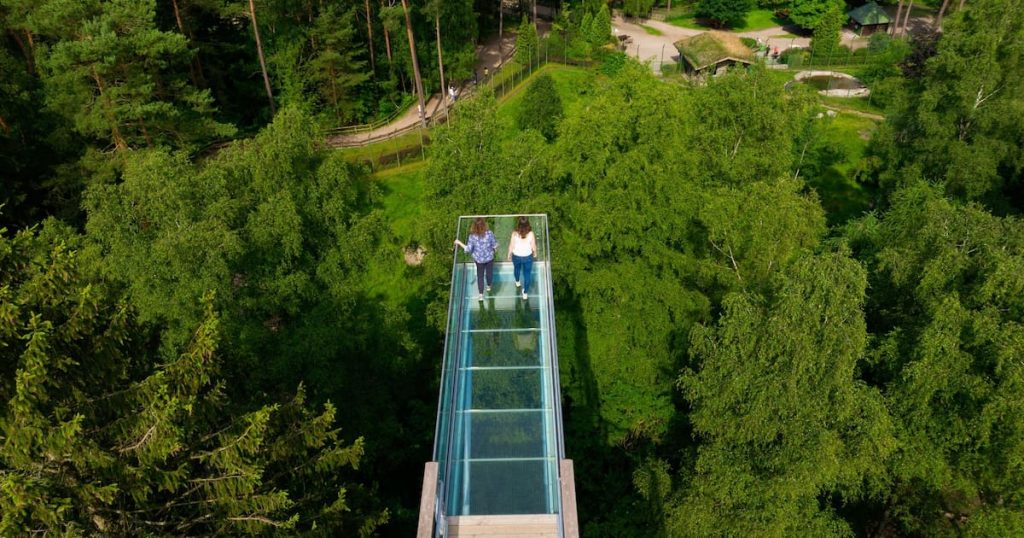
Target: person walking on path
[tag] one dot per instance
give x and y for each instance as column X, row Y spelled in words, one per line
column 522, row 247
column 481, row 245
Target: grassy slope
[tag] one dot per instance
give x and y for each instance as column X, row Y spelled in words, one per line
column 402, row 205
column 569, row 83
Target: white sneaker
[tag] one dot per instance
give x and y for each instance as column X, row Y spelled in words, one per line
column 480, row 297
column 488, row 289
column 518, row 284
column 524, row 295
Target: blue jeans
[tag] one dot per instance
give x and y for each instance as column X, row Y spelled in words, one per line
column 522, row 267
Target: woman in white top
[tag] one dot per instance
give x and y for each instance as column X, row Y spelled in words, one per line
column 522, row 247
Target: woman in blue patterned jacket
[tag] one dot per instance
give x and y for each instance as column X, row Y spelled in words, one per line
column 481, row 245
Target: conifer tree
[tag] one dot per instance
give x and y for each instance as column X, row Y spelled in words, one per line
column 336, row 68
column 121, row 80
column 101, row 434
column 526, row 43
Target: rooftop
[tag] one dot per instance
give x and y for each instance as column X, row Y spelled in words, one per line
column 869, row 14
column 712, row 47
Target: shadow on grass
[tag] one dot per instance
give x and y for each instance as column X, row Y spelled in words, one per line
column 841, row 197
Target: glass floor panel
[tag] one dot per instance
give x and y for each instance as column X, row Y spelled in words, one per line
column 505, row 388
column 509, row 487
column 506, row 348
column 506, row 435
column 497, row 443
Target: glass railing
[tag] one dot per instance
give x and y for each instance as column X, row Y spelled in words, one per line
column 499, row 426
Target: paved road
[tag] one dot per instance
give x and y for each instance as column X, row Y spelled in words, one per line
column 658, row 49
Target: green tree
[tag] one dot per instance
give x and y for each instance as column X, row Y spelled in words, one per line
column 724, row 13
column 749, row 128
column 527, row 43
column 599, row 31
column 103, row 435
column 776, row 401
column 122, row 81
column 810, row 13
column 637, row 8
column 828, row 32
column 542, row 108
column 336, row 69
column 959, row 125
column 947, row 310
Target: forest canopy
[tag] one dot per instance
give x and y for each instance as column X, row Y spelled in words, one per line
column 214, row 321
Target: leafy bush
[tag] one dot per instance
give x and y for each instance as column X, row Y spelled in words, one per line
column 542, row 108
column 637, row 8
column 724, row 13
column 612, row 61
column 750, row 42
column 794, row 57
column 669, row 69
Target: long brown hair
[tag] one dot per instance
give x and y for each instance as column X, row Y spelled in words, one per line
column 523, row 227
column 479, row 227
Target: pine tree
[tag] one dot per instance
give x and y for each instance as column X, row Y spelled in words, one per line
column 336, row 69
column 542, row 108
column 104, row 435
column 526, row 43
column 121, row 80
column 827, row 33
column 600, row 29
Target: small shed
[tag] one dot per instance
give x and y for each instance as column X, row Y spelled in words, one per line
column 714, row 51
column 869, row 18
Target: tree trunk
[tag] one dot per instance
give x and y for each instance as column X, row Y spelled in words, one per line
column 115, row 129
column 195, row 67
column 30, row 64
column 387, row 38
column 501, row 29
column 895, row 27
column 415, row 63
column 259, row 52
column 942, row 11
column 906, row 16
column 369, row 33
column 440, row 59
column 534, row 14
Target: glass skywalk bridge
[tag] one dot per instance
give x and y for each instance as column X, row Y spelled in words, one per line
column 499, row 459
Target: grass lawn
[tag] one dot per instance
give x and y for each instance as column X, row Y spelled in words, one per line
column 651, row 30
column 403, row 207
column 570, row 83
column 757, row 19
column 841, row 195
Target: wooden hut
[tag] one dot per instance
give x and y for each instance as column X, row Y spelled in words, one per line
column 868, row 19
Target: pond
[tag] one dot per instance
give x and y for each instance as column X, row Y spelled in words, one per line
column 825, row 82
column 832, row 83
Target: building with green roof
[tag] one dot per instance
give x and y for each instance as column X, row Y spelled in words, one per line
column 712, row 50
column 869, row 18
